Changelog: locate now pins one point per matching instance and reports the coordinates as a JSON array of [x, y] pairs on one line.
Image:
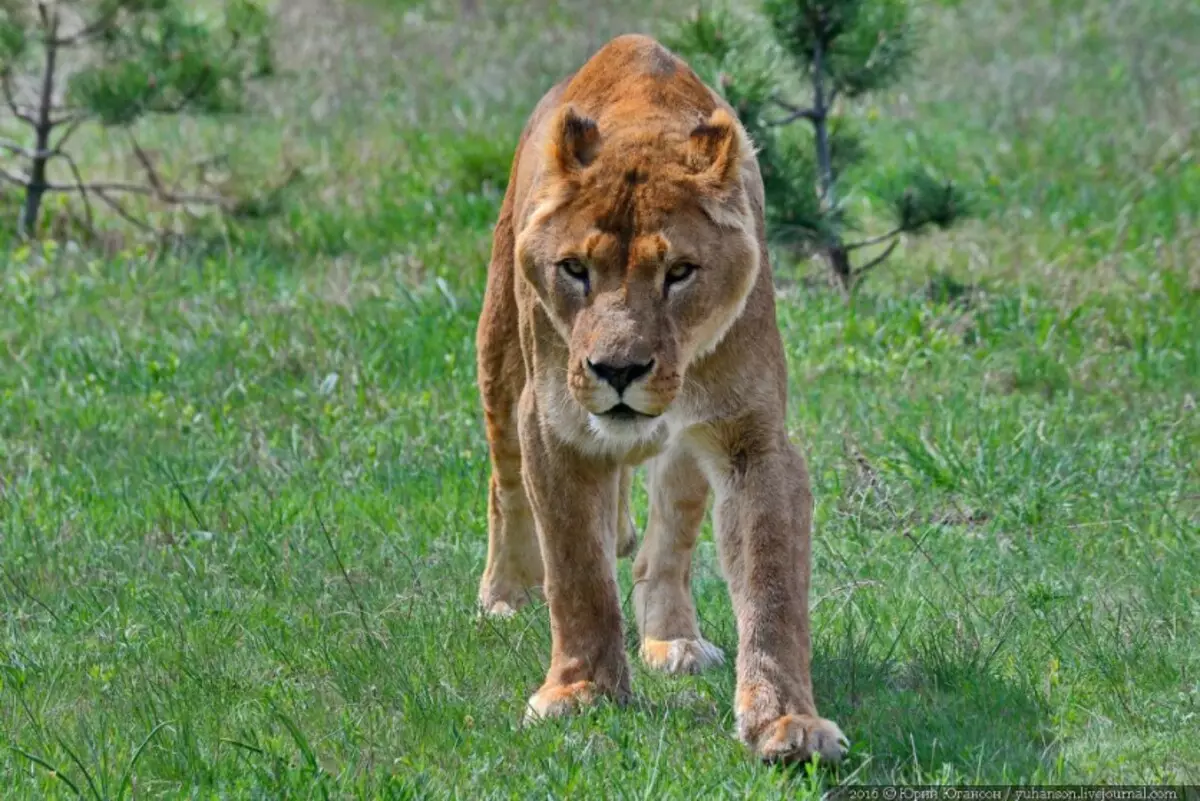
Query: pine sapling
[[67, 63], [839, 50]]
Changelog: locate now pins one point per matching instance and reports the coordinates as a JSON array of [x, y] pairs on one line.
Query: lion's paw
[[680, 656], [500, 609], [798, 738], [558, 700], [504, 604]]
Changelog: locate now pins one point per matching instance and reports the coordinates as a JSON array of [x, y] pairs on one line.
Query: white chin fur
[[625, 433]]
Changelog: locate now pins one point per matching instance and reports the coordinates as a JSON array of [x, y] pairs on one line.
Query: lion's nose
[[620, 376]]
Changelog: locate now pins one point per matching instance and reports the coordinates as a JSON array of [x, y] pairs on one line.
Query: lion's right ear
[[573, 142]]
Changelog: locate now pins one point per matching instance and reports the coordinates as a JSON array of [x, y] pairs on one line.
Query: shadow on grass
[[941, 716]]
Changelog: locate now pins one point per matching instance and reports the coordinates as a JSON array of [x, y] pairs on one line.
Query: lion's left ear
[[715, 153]]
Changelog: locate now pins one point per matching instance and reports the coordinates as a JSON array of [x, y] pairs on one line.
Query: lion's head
[[641, 246]]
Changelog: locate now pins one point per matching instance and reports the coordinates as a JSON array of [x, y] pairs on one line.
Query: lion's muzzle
[[614, 388], [622, 390]]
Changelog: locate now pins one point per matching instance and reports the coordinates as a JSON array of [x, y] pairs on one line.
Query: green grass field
[[242, 509]]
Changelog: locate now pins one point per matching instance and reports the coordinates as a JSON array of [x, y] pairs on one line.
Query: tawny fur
[[628, 172]]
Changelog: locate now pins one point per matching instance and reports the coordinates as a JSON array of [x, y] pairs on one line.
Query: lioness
[[630, 316]]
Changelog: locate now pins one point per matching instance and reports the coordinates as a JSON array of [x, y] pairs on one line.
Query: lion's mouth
[[624, 411]]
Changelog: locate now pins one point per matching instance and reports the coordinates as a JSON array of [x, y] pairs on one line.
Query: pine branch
[[202, 83]]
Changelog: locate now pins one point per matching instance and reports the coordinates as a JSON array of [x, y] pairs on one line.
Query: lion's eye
[[574, 268], [678, 273]]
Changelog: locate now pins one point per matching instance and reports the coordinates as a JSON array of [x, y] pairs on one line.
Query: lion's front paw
[[680, 656], [560, 699], [797, 738]]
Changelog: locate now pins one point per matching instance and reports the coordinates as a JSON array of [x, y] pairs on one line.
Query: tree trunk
[[819, 121], [833, 248], [36, 188], [839, 261], [34, 191]]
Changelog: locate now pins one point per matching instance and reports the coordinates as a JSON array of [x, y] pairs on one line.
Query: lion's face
[[642, 250]]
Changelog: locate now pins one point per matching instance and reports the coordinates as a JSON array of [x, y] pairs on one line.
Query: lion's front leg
[[574, 503], [763, 524]]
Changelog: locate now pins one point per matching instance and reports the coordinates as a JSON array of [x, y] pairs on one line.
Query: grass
[[242, 511]]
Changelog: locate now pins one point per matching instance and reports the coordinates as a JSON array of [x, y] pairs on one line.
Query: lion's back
[[633, 80]]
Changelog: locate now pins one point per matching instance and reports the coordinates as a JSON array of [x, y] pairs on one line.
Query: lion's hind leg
[[514, 561], [514, 571]]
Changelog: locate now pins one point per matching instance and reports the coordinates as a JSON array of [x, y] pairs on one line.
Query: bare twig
[[159, 189], [147, 166], [72, 126], [798, 114], [103, 190], [73, 117], [122, 212], [24, 152], [21, 150], [83, 193], [15, 180], [861, 271], [11, 100], [794, 113], [876, 240], [115, 186]]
